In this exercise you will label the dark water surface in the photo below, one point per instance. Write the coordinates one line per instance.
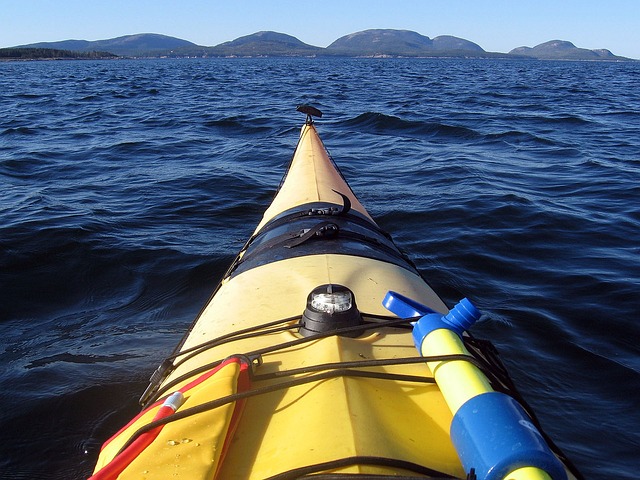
(128, 187)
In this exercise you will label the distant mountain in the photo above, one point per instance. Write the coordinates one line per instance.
(265, 44)
(368, 43)
(143, 44)
(447, 42)
(563, 50)
(380, 42)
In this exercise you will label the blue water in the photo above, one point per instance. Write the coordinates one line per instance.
(128, 187)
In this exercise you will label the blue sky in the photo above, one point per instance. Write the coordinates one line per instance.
(498, 25)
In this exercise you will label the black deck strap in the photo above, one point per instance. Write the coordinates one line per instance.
(358, 460)
(321, 212)
(347, 234)
(289, 240)
(328, 209)
(266, 250)
(321, 230)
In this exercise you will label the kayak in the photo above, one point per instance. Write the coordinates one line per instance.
(323, 353)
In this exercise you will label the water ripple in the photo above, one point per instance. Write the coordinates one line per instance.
(128, 187)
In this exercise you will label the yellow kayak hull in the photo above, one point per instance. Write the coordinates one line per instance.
(290, 404)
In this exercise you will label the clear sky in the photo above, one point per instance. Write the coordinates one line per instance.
(496, 25)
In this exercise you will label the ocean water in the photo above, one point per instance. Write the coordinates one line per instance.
(127, 187)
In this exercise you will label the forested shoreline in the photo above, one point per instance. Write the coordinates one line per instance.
(49, 54)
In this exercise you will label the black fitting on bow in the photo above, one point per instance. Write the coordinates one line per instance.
(310, 111)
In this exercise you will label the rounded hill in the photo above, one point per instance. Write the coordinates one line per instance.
(400, 43)
(265, 43)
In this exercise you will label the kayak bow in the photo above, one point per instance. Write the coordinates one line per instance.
(295, 367)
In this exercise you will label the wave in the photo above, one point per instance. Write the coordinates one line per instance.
(77, 358)
(20, 131)
(240, 125)
(379, 123)
(516, 137)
